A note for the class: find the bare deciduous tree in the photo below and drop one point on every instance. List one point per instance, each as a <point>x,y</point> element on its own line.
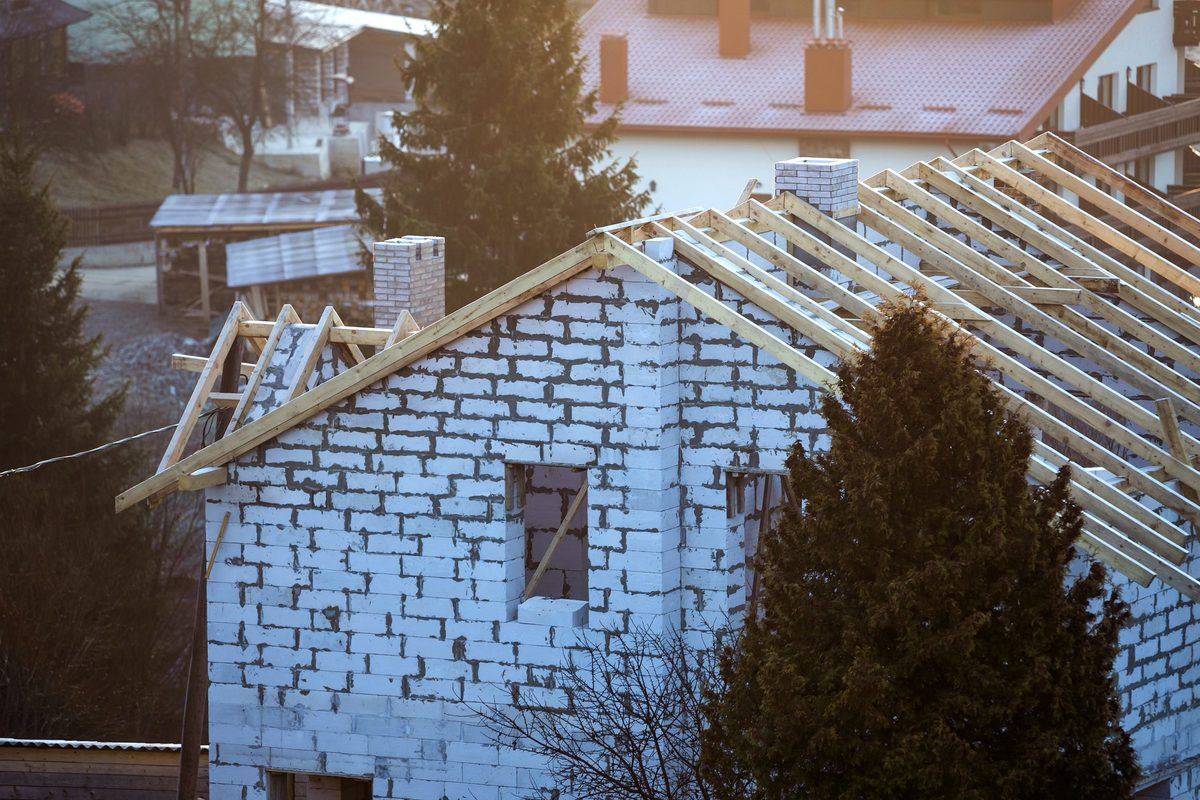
<point>631,730</point>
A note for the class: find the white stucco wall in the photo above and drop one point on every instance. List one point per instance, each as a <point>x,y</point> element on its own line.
<point>1145,40</point>
<point>712,170</point>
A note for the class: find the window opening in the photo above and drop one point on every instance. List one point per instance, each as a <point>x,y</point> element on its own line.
<point>753,505</point>
<point>550,502</point>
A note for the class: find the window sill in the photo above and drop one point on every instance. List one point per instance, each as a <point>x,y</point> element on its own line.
<point>553,611</point>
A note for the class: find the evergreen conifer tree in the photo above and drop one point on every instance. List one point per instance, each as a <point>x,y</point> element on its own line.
<point>90,603</point>
<point>495,157</point>
<point>923,632</point>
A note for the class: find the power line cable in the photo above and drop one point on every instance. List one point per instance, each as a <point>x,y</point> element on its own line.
<point>94,450</point>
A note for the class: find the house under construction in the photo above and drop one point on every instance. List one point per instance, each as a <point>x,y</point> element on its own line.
<point>598,444</point>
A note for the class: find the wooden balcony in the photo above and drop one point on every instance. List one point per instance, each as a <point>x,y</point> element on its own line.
<point>1187,23</point>
<point>1154,126</point>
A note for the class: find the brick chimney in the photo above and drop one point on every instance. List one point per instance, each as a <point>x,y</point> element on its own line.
<point>733,20</point>
<point>829,184</point>
<point>828,76</point>
<point>614,69</point>
<point>410,273</point>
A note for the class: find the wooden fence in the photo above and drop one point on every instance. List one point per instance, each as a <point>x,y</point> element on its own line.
<point>98,225</point>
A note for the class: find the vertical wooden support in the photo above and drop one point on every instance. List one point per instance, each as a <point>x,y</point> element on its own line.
<point>205,300</point>
<point>1174,439</point>
<point>195,699</point>
<point>159,294</point>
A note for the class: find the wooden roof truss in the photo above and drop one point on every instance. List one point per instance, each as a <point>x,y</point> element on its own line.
<point>996,251</point>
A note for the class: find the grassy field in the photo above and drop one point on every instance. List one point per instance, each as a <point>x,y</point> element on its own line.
<point>141,171</point>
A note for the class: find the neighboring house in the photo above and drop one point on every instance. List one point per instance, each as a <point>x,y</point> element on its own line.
<point>383,528</point>
<point>341,67</point>
<point>908,79</point>
<point>33,45</point>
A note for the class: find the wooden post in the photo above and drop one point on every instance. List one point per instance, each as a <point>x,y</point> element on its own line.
<point>205,305</point>
<point>231,372</point>
<point>195,699</point>
<point>159,294</point>
<point>1174,439</point>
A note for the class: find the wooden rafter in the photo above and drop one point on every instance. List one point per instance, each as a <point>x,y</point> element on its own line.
<point>314,344</point>
<point>445,330</point>
<point>204,386</point>
<point>287,316</point>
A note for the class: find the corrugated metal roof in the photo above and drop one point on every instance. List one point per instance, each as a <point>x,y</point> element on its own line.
<point>320,26</point>
<point>293,256</point>
<point>67,744</point>
<point>911,77</point>
<point>258,209</point>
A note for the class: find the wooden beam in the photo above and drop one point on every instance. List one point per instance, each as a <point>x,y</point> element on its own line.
<point>769,293</point>
<point>1133,528</point>
<point>203,478</point>
<point>350,348</point>
<point>1111,494</point>
<point>186,363</point>
<point>975,270</point>
<point>224,399</point>
<point>995,207</point>
<point>1035,416</point>
<point>287,316</point>
<point>317,338</point>
<point>212,559</point>
<point>406,325</point>
<point>340,334</point>
<point>710,306</point>
<point>373,369</point>
<point>1075,216</point>
<point>205,299</point>
<point>1174,437</point>
<point>1084,163</point>
<point>919,236</point>
<point>1139,222</point>
<point>1138,290</point>
<point>204,385</point>
<point>563,527</point>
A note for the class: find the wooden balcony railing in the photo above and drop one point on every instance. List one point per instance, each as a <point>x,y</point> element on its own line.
<point>1187,23</point>
<point>1135,136</point>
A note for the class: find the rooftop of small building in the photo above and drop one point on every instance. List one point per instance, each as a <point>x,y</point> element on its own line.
<point>21,18</point>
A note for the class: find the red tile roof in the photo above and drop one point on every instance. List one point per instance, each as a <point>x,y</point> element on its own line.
<point>920,78</point>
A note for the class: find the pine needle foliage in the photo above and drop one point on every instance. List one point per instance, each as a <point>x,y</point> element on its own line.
<point>90,603</point>
<point>923,632</point>
<point>496,156</point>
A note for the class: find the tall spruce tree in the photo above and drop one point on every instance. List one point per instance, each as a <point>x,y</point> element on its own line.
<point>923,633</point>
<point>90,602</point>
<point>496,157</point>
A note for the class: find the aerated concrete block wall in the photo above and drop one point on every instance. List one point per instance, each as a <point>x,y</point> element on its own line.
<point>367,589</point>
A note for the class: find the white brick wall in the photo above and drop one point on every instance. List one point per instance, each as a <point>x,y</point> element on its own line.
<point>409,273</point>
<point>368,584</point>
<point>367,589</point>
